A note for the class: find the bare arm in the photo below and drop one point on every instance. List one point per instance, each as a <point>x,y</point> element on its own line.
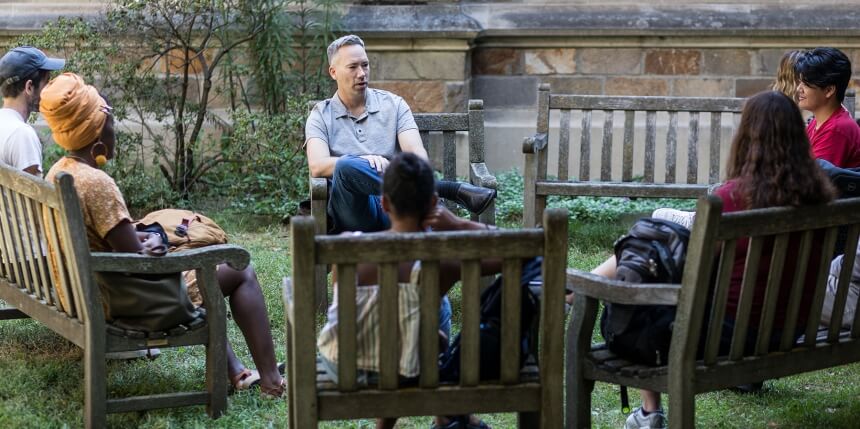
<point>410,141</point>
<point>320,161</point>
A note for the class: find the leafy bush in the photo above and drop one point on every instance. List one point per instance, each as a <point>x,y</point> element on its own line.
<point>216,90</point>
<point>509,205</point>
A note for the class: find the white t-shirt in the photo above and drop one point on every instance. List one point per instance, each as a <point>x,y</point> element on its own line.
<point>19,145</point>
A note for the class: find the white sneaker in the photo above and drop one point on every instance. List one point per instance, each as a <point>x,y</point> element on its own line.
<point>654,420</point>
<point>680,217</point>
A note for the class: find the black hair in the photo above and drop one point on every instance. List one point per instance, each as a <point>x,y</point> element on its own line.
<point>822,67</point>
<point>14,89</point>
<point>408,184</point>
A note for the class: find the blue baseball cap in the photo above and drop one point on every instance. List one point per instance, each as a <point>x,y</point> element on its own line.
<point>23,61</point>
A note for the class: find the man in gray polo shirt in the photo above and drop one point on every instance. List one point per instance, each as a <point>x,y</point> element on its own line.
<point>351,136</point>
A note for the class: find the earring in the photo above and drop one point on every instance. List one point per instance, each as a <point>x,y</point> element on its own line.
<point>101,159</point>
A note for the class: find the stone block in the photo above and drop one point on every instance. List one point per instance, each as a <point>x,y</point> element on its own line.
<point>421,65</point>
<point>703,87</point>
<point>766,61</point>
<point>673,61</point>
<point>575,85</point>
<point>495,61</point>
<point>726,62</point>
<point>610,61</point>
<point>748,87</point>
<point>456,97</point>
<point>550,61</point>
<point>421,95</point>
<point>636,86</point>
<point>505,91</point>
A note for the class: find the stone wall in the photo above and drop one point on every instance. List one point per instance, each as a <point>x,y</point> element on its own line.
<point>439,53</point>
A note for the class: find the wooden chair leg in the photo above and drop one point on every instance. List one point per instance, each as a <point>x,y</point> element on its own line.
<point>528,420</point>
<point>216,349</point>
<point>579,406</point>
<point>95,385</point>
<point>682,410</point>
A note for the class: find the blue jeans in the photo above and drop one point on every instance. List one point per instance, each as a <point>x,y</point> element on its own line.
<point>354,203</point>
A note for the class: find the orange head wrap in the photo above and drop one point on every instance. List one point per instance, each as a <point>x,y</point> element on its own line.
<point>74,111</point>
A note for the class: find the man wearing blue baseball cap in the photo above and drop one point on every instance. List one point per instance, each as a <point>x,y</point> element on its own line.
<point>24,71</point>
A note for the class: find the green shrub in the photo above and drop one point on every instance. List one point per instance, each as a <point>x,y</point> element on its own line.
<point>509,205</point>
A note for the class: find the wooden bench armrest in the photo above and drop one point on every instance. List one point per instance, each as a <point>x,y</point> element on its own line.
<point>319,188</point>
<point>233,255</point>
<point>619,292</point>
<point>535,143</point>
<point>481,176</point>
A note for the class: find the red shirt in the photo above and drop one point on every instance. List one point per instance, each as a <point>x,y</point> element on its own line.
<point>837,140</point>
<point>732,202</point>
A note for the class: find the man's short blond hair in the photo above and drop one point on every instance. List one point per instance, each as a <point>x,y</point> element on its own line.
<point>349,39</point>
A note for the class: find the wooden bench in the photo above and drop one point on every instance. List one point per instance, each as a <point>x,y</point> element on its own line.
<point>444,158</point>
<point>611,178</point>
<point>46,272</point>
<point>711,256</point>
<point>604,178</point>
<point>312,395</point>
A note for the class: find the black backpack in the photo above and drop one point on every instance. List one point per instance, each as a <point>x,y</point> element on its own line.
<point>653,251</point>
<point>490,330</point>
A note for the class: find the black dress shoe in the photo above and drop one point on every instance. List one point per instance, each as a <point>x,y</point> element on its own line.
<point>474,198</point>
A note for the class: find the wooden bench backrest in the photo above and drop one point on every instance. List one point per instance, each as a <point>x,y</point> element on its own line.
<point>723,114</point>
<point>813,230</point>
<point>44,247</point>
<point>471,247</point>
<point>633,107</point>
<point>448,124</point>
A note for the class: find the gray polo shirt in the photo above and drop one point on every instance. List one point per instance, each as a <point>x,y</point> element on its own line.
<point>373,133</point>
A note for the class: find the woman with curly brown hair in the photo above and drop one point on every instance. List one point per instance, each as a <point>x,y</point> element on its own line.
<point>770,165</point>
<point>786,76</point>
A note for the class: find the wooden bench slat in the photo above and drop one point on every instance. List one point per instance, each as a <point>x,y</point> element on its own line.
<point>28,256</point>
<point>449,146</point>
<point>693,149</point>
<point>564,144</point>
<point>429,337</point>
<point>17,250</point>
<point>769,222</point>
<point>40,249</point>
<point>650,145</point>
<point>647,103</point>
<point>820,285</point>
<point>585,147</point>
<point>346,328</point>
<point>389,327</point>
<point>671,147</point>
<point>619,189</point>
<point>794,299</point>
<point>772,287</point>
<point>748,285</point>
<point>456,245</point>
<point>718,309</point>
<point>510,330</point>
<point>6,216</point>
<point>627,158</point>
<point>606,153</point>
<point>716,136</point>
<point>442,121</point>
<point>850,251</point>
<point>470,273</point>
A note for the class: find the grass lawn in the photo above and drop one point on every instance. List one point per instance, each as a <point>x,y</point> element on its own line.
<point>41,373</point>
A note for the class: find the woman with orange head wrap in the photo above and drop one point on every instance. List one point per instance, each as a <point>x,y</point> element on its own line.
<point>81,122</point>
